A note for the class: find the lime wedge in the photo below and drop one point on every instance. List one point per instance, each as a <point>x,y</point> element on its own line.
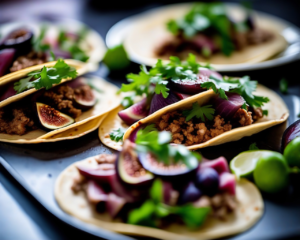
<point>244,164</point>
<point>116,58</point>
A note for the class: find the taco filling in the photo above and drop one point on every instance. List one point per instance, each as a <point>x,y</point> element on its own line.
<point>21,48</point>
<point>154,184</point>
<point>207,29</point>
<point>52,108</point>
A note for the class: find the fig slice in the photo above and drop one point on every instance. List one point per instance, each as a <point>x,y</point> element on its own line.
<point>149,162</point>
<point>129,168</point>
<point>84,97</point>
<point>52,119</point>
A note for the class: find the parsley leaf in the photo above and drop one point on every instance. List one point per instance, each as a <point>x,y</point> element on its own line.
<point>47,77</point>
<point>117,135</point>
<point>198,111</point>
<point>253,147</point>
<point>150,140</point>
<point>154,210</point>
<point>283,85</point>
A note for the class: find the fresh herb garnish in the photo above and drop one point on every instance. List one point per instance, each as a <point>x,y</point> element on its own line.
<point>154,210</point>
<point>47,77</point>
<point>157,143</point>
<point>283,85</point>
<point>117,135</point>
<point>253,147</point>
<point>244,106</point>
<point>37,42</point>
<point>198,111</point>
<point>243,86</point>
<point>53,57</point>
<point>128,101</point>
<point>159,75</point>
<point>265,112</point>
<point>72,46</point>
<point>205,17</point>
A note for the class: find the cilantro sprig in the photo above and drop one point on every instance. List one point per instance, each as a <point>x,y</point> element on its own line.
<point>253,146</point>
<point>159,75</point>
<point>243,86</point>
<point>203,17</point>
<point>154,210</point>
<point>157,143</point>
<point>46,77</point>
<point>203,112</point>
<point>117,134</point>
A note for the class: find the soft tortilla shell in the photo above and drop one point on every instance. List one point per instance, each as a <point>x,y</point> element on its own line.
<point>150,30</point>
<point>111,122</point>
<point>249,211</point>
<point>107,101</point>
<point>278,113</point>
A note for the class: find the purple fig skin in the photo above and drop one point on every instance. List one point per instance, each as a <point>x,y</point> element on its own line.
<point>114,204</point>
<point>6,60</point>
<point>227,183</point>
<point>95,193</point>
<point>134,113</point>
<point>220,165</point>
<point>227,108</point>
<point>98,174</point>
<point>8,92</point>
<point>190,194</point>
<point>158,101</point>
<point>207,179</point>
<point>290,133</point>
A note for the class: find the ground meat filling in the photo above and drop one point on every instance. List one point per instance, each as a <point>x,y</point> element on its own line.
<point>16,120</point>
<point>195,131</point>
<point>31,59</point>
<point>62,99</point>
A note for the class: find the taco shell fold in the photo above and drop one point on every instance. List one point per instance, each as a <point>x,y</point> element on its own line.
<point>277,113</point>
<point>248,212</point>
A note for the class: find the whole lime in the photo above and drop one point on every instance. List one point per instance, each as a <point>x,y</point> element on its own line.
<point>292,152</point>
<point>271,173</point>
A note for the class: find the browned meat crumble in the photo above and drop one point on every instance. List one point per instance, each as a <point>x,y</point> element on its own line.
<point>31,59</point>
<point>195,131</point>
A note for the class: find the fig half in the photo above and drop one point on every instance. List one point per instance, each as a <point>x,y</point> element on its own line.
<point>84,97</point>
<point>149,162</point>
<point>52,119</point>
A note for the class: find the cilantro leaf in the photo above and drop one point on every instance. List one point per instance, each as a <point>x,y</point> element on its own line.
<point>128,101</point>
<point>265,112</point>
<point>253,147</point>
<point>198,111</point>
<point>283,85</point>
<point>37,42</point>
<point>150,140</point>
<point>153,211</point>
<point>244,106</point>
<point>117,134</point>
<point>47,77</point>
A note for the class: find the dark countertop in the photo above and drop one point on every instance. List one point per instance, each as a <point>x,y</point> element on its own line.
<point>23,217</point>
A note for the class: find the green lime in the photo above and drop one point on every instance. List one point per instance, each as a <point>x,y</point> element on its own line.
<point>292,153</point>
<point>244,164</point>
<point>116,58</point>
<point>271,173</point>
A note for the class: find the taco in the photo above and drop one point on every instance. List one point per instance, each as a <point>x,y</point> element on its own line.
<point>176,84</point>
<point>26,44</point>
<point>215,32</point>
<point>154,189</point>
<point>41,101</point>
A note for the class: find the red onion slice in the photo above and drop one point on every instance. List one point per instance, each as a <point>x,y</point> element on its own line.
<point>158,101</point>
<point>6,60</point>
<point>134,113</point>
<point>227,108</point>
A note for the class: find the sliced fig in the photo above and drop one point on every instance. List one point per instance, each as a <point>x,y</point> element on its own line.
<point>19,39</point>
<point>120,189</point>
<point>135,112</point>
<point>220,165</point>
<point>114,204</point>
<point>190,194</point>
<point>149,162</point>
<point>84,97</point>
<point>52,119</point>
<point>131,171</point>
<point>158,101</point>
<point>6,60</point>
<point>207,179</point>
<point>95,193</point>
<point>101,173</point>
<point>227,183</point>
